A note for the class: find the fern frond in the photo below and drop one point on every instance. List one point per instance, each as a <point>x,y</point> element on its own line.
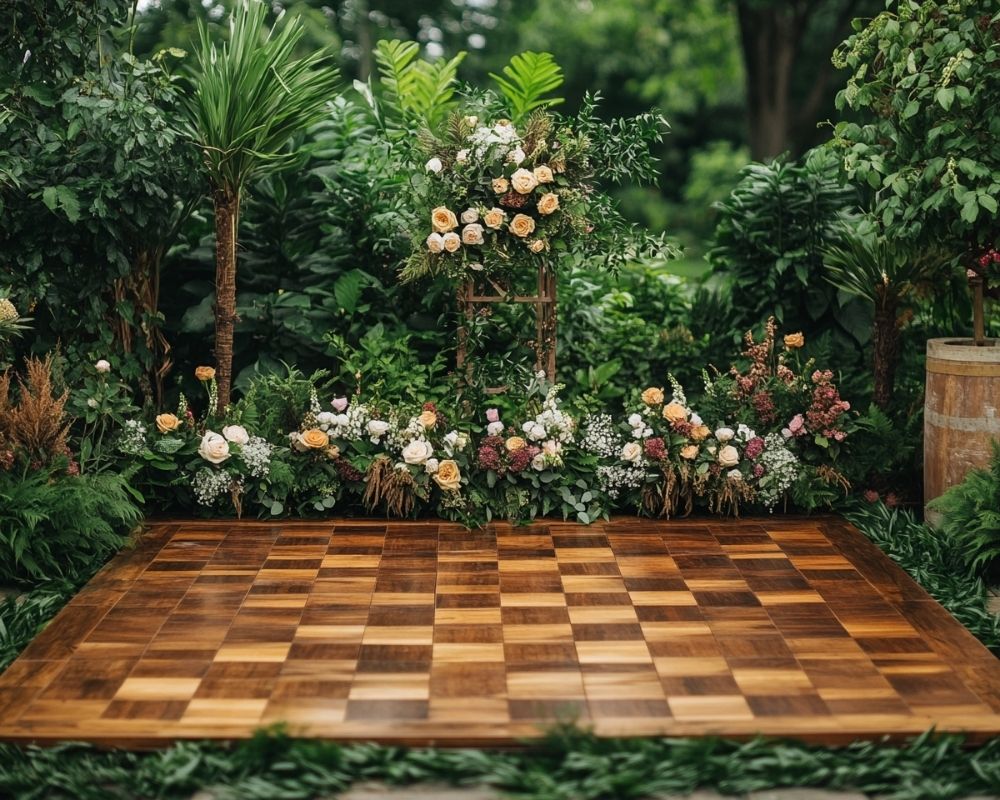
<point>526,80</point>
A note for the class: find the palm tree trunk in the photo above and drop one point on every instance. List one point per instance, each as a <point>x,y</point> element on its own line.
<point>885,343</point>
<point>227,214</point>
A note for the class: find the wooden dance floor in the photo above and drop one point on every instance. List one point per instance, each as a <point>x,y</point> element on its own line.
<point>426,633</point>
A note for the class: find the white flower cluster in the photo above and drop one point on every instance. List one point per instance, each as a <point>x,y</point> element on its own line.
<point>209,485</point>
<point>349,424</point>
<point>640,429</point>
<point>781,468</point>
<point>618,478</point>
<point>551,422</point>
<point>256,455</point>
<point>600,436</point>
<point>502,137</point>
<point>132,440</point>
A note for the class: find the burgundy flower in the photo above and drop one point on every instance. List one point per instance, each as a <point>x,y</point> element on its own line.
<point>489,457</point>
<point>870,496</point>
<point>346,470</point>
<point>763,404</point>
<point>655,448</point>
<point>754,447</point>
<point>520,459</point>
<point>758,470</point>
<point>429,407</point>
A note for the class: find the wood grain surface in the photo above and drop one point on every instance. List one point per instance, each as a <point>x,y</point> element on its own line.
<point>426,633</point>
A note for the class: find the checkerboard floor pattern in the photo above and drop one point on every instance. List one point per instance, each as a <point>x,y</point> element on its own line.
<point>424,632</point>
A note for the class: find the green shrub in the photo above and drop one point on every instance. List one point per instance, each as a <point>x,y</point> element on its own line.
<point>54,525</point>
<point>971,512</point>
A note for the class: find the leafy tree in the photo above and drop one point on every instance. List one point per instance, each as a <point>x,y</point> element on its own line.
<point>250,97</point>
<point>929,73</point>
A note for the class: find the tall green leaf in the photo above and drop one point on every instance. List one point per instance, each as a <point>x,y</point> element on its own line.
<point>527,79</point>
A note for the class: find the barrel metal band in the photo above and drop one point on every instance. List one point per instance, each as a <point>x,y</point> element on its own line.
<point>939,366</point>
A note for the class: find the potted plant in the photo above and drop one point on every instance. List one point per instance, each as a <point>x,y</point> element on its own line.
<point>927,74</point>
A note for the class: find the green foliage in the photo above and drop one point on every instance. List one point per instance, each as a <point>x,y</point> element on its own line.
<point>52,524</point>
<point>933,561</point>
<point>566,764</point>
<point>526,81</point>
<point>250,96</point>
<point>971,515</point>
<point>416,89</point>
<point>23,618</point>
<point>927,72</point>
<point>770,238</point>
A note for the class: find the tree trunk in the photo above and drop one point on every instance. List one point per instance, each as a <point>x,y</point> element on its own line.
<point>770,38</point>
<point>227,214</point>
<point>885,342</point>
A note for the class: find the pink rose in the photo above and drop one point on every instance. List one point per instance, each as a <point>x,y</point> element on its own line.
<point>492,415</point>
<point>339,404</point>
<point>797,425</point>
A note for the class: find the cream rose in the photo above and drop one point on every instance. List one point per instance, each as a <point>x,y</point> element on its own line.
<point>516,156</point>
<point>333,452</point>
<point>724,434</point>
<point>434,165</point>
<point>522,225</point>
<point>500,186</point>
<point>451,241</point>
<point>543,174</point>
<point>537,246</point>
<point>523,181</point>
<point>443,219</point>
<point>729,456</point>
<point>472,234</point>
<point>689,451</point>
<point>494,218</point>
<point>204,373</point>
<point>448,476</point>
<point>427,419</point>
<point>632,452</point>
<point>315,439</point>
<point>165,423</point>
<point>435,243</point>
<point>103,366</point>
<point>377,428</point>
<point>417,451</point>
<point>213,448</point>
<point>652,396</point>
<point>236,434</point>
<point>548,204</point>
<point>469,216</point>
<point>515,443</point>
<point>674,412</point>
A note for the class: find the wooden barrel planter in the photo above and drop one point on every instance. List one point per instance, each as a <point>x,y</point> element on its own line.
<point>961,412</point>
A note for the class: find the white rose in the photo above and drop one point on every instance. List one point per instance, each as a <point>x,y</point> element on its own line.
<point>745,432</point>
<point>729,456</point>
<point>724,434</point>
<point>417,451</point>
<point>696,419</point>
<point>494,428</point>
<point>434,165</point>
<point>323,418</point>
<point>431,466</point>
<point>103,366</point>
<point>236,434</point>
<point>341,420</point>
<point>469,216</point>
<point>536,432</point>
<point>632,452</point>
<point>787,433</point>
<point>538,462</point>
<point>378,428</point>
<point>516,156</point>
<point>635,421</point>
<point>472,121</point>
<point>647,432</point>
<point>213,448</point>
<point>552,448</point>
<point>462,156</point>
<point>435,243</point>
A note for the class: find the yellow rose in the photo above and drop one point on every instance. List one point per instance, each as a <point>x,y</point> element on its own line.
<point>699,433</point>
<point>333,452</point>
<point>548,204</point>
<point>689,451</point>
<point>165,423</point>
<point>523,181</point>
<point>451,241</point>
<point>652,396</point>
<point>522,225</point>
<point>315,439</point>
<point>794,341</point>
<point>204,373</point>
<point>674,412</point>
<point>543,174</point>
<point>514,443</point>
<point>500,185</point>
<point>448,476</point>
<point>538,245</point>
<point>443,219</point>
<point>427,419</point>
<point>494,218</point>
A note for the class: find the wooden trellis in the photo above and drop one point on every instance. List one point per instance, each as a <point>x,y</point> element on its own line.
<point>478,292</point>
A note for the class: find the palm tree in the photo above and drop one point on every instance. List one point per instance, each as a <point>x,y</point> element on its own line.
<point>250,96</point>
<point>886,274</point>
